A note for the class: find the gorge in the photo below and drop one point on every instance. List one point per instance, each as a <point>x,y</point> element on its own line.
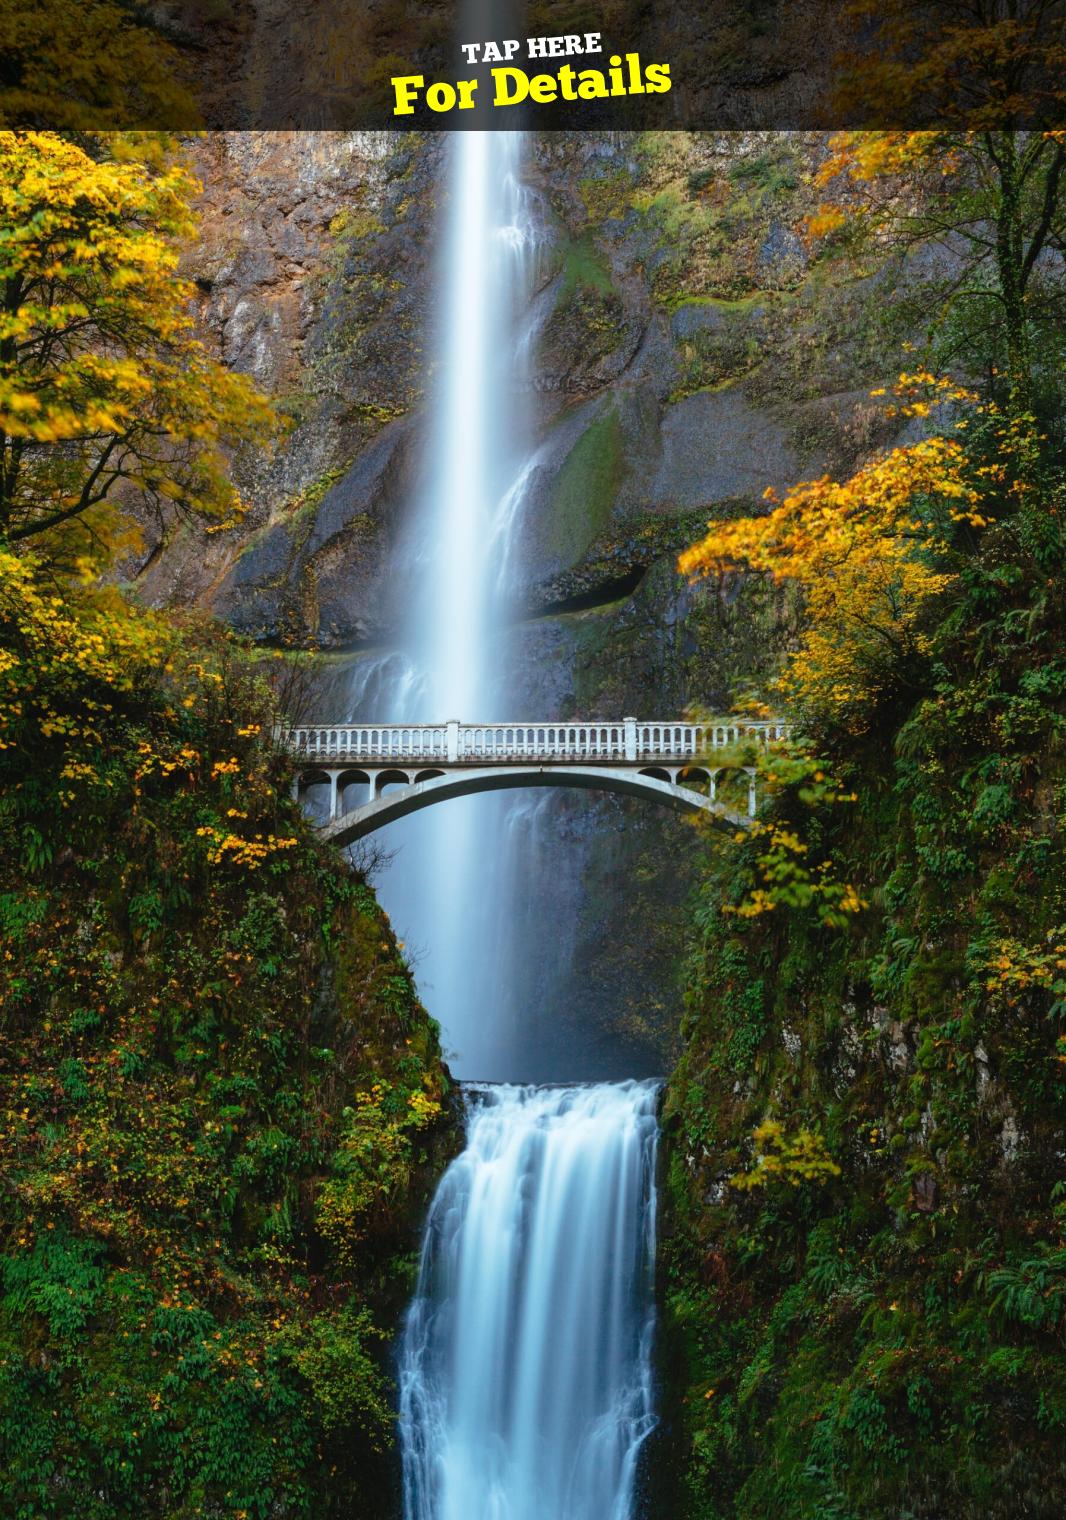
<point>617,1162</point>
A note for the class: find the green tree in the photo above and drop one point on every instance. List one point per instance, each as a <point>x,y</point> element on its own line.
<point>993,203</point>
<point>982,181</point>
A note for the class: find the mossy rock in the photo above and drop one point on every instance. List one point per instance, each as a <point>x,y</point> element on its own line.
<point>585,489</point>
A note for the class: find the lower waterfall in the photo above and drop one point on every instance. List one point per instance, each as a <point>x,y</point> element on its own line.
<point>525,1375</point>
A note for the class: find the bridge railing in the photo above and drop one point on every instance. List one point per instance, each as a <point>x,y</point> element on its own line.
<point>622,741</point>
<point>686,741</point>
<point>373,743</point>
<point>495,742</point>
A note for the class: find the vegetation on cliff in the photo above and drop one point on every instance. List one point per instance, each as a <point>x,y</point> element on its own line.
<point>865,1267</point>
<point>221,1102</point>
<point>218,1090</point>
<point>104,386</point>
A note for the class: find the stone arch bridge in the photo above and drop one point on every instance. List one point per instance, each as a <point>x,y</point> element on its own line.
<point>377,773</point>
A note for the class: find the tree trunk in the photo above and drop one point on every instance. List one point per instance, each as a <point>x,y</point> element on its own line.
<point>1010,261</point>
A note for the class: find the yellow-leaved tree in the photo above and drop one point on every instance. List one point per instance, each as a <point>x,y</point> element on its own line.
<point>981,183</point>
<point>85,65</point>
<point>868,554</point>
<point>107,396</point>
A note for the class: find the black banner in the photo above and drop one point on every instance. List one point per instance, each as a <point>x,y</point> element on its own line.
<point>547,64</point>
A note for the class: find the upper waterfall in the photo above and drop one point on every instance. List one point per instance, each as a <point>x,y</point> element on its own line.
<point>473,454</point>
<point>459,550</point>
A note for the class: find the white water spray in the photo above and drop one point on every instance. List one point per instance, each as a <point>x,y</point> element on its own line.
<point>525,1381</point>
<point>526,1376</point>
<point>453,886</point>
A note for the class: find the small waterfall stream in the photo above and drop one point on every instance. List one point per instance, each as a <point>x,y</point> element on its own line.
<point>525,1376</point>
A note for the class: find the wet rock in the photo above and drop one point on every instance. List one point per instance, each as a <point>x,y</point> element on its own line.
<point>924,1193</point>
<point>694,318</point>
<point>984,1076</point>
<point>715,447</point>
<point>782,257</point>
<point>329,564</point>
<point>792,1043</point>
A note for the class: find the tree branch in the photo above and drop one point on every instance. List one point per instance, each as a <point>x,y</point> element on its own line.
<point>1047,215</point>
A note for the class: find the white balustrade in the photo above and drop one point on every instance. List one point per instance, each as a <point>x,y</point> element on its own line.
<point>613,742</point>
<point>371,742</point>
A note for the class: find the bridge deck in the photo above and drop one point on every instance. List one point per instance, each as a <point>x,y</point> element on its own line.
<point>618,742</point>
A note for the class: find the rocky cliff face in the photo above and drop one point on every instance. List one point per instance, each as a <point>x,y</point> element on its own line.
<point>285,296</point>
<point>686,360</point>
<point>687,356</point>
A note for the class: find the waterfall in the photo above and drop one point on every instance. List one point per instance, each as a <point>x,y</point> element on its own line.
<point>525,1379</point>
<point>456,881</point>
<point>525,1376</point>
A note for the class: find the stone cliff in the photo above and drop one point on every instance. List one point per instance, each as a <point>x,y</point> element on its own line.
<point>688,353</point>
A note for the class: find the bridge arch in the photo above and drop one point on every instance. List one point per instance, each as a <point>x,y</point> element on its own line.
<point>425,789</point>
<point>391,777</point>
<point>315,791</point>
<point>350,780</point>
<point>693,773</point>
<point>352,776</point>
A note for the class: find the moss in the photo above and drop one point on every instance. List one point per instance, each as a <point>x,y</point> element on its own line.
<point>772,172</point>
<point>605,195</point>
<point>690,386</point>
<point>378,414</point>
<point>218,1054</point>
<point>355,224</point>
<point>309,500</point>
<point>707,216</point>
<point>738,306</point>
<point>585,489</point>
<point>583,269</point>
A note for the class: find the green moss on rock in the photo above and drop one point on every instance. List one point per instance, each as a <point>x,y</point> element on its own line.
<point>585,489</point>
<point>222,1108</point>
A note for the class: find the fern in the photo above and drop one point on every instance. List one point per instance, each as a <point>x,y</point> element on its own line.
<point>1032,1292</point>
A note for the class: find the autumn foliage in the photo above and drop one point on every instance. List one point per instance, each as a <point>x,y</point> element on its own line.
<point>87,65</point>
<point>867,1272</point>
<point>868,553</point>
<point>215,1075</point>
<point>109,400</point>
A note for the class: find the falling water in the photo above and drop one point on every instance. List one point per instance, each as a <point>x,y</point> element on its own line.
<point>491,242</point>
<point>525,1379</point>
<point>455,882</point>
